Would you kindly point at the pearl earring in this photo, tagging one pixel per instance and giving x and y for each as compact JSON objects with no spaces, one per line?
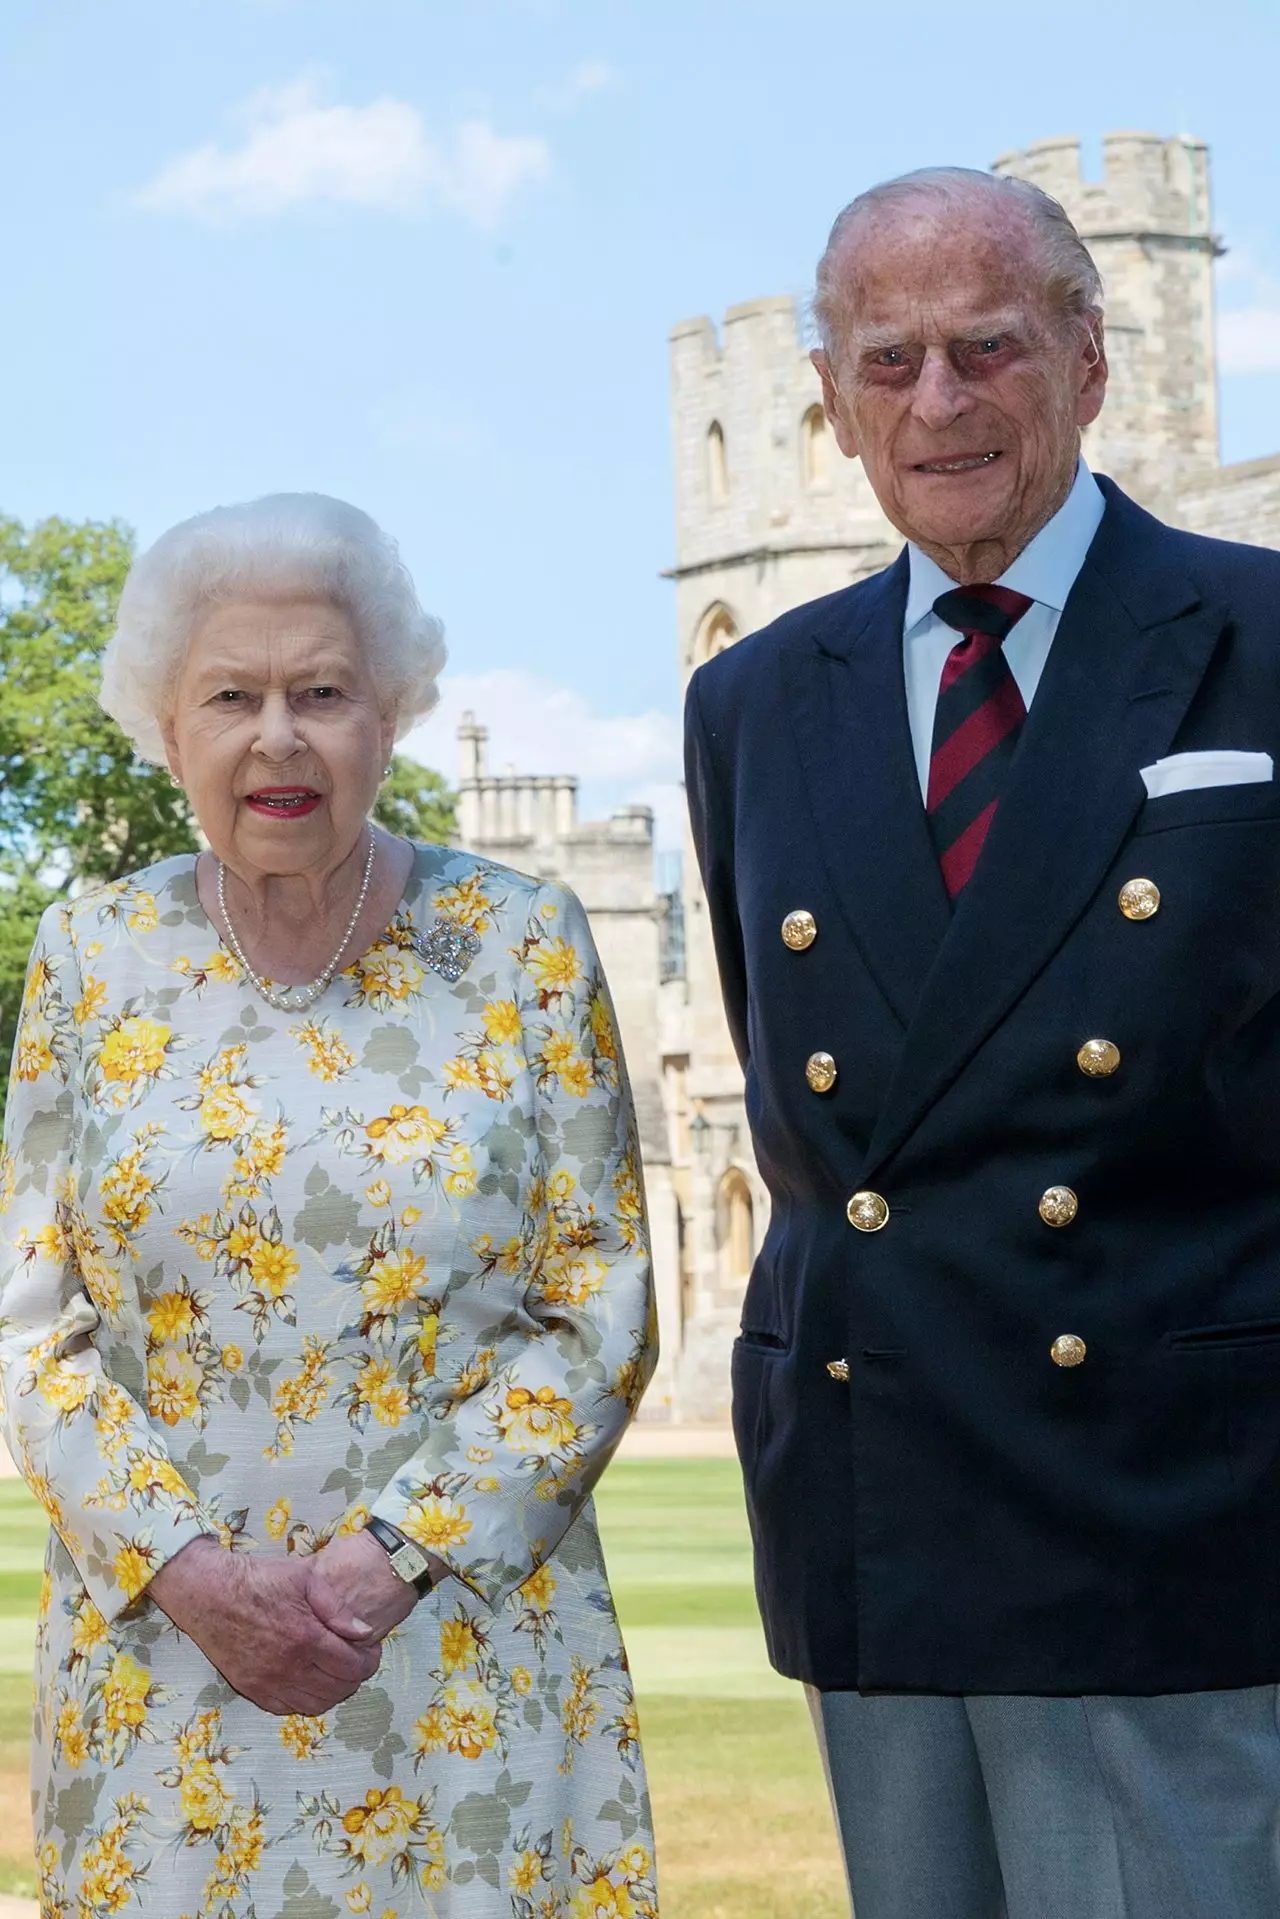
{"x":386,"y":772}
{"x":175,"y":781}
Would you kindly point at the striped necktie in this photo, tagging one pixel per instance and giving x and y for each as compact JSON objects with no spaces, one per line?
{"x":975,"y":725}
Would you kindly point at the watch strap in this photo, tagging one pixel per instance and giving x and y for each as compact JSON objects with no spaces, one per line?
{"x":408,"y":1561}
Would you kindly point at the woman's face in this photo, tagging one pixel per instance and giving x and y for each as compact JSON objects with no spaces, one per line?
{"x":278,"y":735}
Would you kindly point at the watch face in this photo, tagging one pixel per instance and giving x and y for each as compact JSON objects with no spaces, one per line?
{"x":409,"y":1562}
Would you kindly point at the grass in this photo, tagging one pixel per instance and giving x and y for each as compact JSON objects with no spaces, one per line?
{"x":741,"y":1811}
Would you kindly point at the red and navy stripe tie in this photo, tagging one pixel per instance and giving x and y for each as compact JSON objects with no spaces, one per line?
{"x":975,"y":727}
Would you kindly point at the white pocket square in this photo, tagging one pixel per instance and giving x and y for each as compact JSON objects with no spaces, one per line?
{"x":1182,"y":772}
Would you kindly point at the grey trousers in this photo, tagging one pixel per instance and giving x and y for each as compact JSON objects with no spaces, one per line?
{"x":1032,"y":1808}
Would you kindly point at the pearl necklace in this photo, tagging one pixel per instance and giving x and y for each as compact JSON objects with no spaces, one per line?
{"x":295,"y":999}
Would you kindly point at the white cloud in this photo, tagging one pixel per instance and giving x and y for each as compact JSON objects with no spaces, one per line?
{"x":1249,"y":339}
{"x":295,"y":150}
{"x":537,"y":726}
{"x":588,"y":77}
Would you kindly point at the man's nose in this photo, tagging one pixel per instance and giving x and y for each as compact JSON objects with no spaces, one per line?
{"x":277,"y":729}
{"x":940,"y":394}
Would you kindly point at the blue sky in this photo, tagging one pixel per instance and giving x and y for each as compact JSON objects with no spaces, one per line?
{"x":427,"y":257}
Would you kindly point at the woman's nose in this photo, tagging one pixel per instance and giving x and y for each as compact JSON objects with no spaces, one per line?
{"x":277,"y":729}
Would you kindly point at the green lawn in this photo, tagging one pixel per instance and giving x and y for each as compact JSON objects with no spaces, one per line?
{"x":743,"y":1826}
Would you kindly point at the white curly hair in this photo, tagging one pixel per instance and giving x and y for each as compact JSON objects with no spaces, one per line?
{"x":303,"y":544}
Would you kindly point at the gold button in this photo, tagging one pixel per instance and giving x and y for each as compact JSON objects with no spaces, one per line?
{"x":799,"y":929}
{"x":838,"y":1369}
{"x":1139,"y":899}
{"x":1068,"y":1349}
{"x":820,"y":1071}
{"x":1098,"y":1058}
{"x":1059,"y":1206}
{"x":868,"y":1212}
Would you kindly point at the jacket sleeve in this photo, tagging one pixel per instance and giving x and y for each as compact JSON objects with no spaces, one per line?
{"x":82,"y":1441}
{"x":710,"y":817}
{"x":554,"y":1328}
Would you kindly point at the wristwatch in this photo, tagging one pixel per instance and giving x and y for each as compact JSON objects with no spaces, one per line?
{"x":408,"y":1561}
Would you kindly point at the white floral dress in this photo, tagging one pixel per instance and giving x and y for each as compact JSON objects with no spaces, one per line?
{"x":262,"y":1274}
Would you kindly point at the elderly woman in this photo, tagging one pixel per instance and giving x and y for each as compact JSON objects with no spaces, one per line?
{"x":324,"y":1299}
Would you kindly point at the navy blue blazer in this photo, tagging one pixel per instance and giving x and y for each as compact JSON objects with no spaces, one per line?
{"x":963,"y":1514}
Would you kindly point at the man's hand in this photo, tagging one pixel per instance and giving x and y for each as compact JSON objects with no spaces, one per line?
{"x":352,"y":1575}
{"x":254,"y":1620}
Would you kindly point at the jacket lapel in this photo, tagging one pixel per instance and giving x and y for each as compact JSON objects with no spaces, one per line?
{"x":849,"y":715}
{"x":1131,"y":650}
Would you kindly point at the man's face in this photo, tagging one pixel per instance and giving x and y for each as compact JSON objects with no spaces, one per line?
{"x":953,"y":380}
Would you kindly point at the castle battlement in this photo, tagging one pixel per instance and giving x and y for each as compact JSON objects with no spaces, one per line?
{"x":1151,"y":187}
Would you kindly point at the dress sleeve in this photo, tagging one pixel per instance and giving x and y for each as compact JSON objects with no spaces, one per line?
{"x":555,"y":1326}
{"x":82,"y":1442}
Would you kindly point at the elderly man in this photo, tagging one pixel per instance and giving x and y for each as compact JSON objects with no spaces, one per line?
{"x":991,"y":845}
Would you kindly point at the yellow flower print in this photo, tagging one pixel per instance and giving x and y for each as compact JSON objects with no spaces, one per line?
{"x":134,"y":1050}
{"x":273,"y":1268}
{"x":89,"y":1630}
{"x":467,"y":902}
{"x":488,"y":1485}
{"x":527,"y":1872}
{"x":429,"y":1734}
{"x":601,"y":1899}
{"x":461,"y":1179}
{"x":34,"y":1054}
{"x":328,"y":1055}
{"x":69,"y":1732}
{"x":378,"y":1193}
{"x":555,"y":965}
{"x":144,"y":918}
{"x":539,"y":1589}
{"x":381,"y":1826}
{"x":91,"y":1001}
{"x":394,"y":1281}
{"x":227,"y":1113}
{"x":459,"y":1648}
{"x":522,"y":1680}
{"x":232,"y":1359}
{"x":204,"y":1797}
{"x":602,"y":1028}
{"x":64,"y":1386}
{"x":222,"y":967}
{"x":242,"y":1243}
{"x":559,"y":1049}
{"x":172,"y":1317}
{"x":387,"y":973}
{"x":411,"y":1215}
{"x":133,"y":1566}
{"x":470,"y":1727}
{"x":173,"y":1384}
{"x":479,"y":1455}
{"x":571,"y":1277}
{"x":359,"y":1898}
{"x":303,"y":1734}
{"x":437,"y":1522}
{"x":277,"y":1518}
{"x":502,"y":1023}
{"x":377,"y":1388}
{"x":462,"y":1075}
{"x":246,"y":1840}
{"x":575,"y":1079}
{"x":540,"y":1422}
{"x":405,"y":1133}
{"x":124,"y":1695}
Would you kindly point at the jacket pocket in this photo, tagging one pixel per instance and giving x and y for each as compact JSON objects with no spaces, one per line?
{"x":1232,"y":1333}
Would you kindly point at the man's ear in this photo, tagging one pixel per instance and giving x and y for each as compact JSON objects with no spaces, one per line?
{"x":833,"y":406}
{"x":1093,"y":386}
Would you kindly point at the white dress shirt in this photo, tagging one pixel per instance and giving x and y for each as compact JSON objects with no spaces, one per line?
{"x":1045,"y":571}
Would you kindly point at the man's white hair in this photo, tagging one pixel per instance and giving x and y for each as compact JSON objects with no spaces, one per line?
{"x":1072,"y":285}
{"x":286,"y":545}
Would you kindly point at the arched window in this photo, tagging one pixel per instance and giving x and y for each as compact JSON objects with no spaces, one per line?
{"x":717,"y":468}
{"x":815,"y":437}
{"x":738,"y":1226}
{"x":716,"y":629}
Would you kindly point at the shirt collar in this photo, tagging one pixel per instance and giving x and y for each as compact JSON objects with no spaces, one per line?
{"x":1046,"y":568}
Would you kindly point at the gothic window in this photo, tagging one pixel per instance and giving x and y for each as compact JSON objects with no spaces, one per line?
{"x":717,"y":469}
{"x":738,"y":1226}
{"x":816,"y":444}
{"x":716,"y":629}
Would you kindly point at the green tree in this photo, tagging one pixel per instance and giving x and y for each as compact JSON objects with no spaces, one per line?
{"x":416,"y":803}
